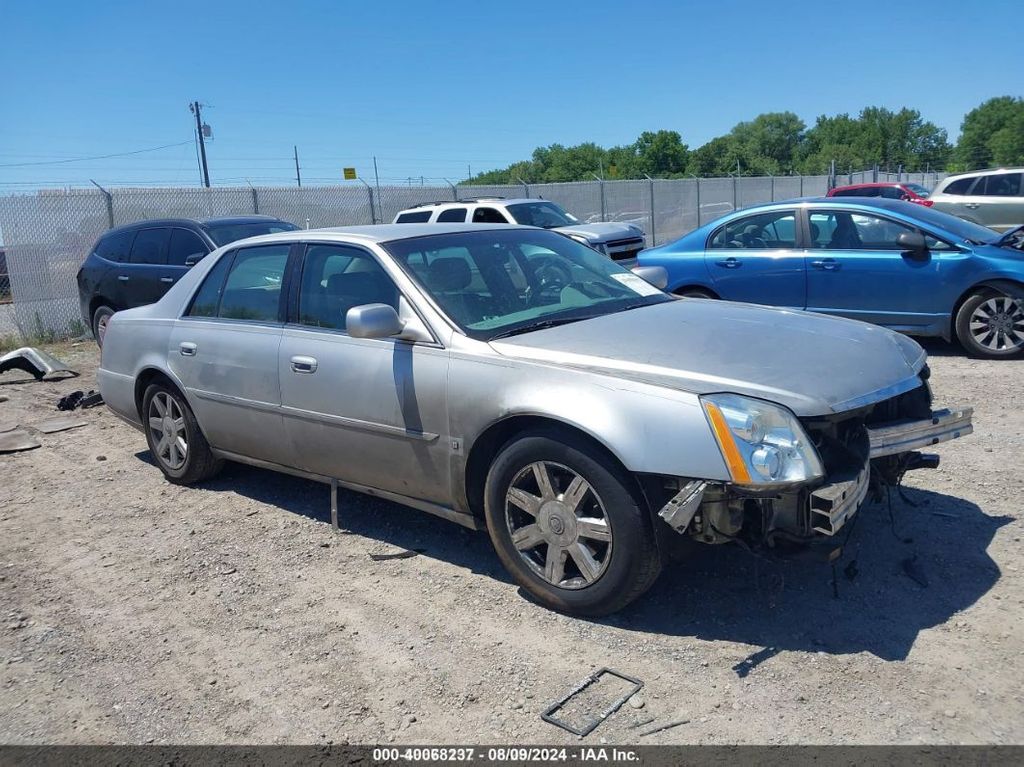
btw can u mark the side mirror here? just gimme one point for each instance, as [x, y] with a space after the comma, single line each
[655, 275]
[913, 243]
[373, 321]
[194, 258]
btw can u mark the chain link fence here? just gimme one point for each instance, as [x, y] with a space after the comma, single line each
[46, 235]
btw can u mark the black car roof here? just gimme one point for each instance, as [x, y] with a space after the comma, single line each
[200, 223]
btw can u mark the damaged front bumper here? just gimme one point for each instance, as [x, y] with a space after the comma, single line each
[720, 512]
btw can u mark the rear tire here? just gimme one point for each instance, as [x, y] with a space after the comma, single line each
[100, 318]
[990, 324]
[175, 440]
[579, 541]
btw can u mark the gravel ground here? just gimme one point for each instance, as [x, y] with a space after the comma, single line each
[134, 611]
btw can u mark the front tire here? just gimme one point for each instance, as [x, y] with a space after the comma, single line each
[694, 293]
[175, 440]
[990, 325]
[565, 523]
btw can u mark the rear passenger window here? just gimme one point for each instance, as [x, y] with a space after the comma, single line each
[150, 246]
[415, 217]
[960, 186]
[185, 244]
[488, 216]
[252, 290]
[457, 215]
[115, 247]
[207, 299]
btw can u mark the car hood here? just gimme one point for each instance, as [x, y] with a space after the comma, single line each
[811, 363]
[602, 232]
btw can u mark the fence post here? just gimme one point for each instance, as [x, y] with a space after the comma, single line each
[735, 192]
[654, 229]
[455, 190]
[526, 187]
[255, 200]
[773, 186]
[801, 184]
[373, 213]
[601, 182]
[697, 179]
[110, 203]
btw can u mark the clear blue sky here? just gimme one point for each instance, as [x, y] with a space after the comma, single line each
[431, 88]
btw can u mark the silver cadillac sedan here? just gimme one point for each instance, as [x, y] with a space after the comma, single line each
[513, 379]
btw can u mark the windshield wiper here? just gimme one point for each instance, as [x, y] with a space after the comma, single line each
[543, 325]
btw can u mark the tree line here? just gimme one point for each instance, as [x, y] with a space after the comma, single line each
[780, 143]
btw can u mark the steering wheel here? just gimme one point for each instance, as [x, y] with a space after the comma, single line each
[550, 277]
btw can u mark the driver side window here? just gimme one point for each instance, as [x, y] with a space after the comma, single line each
[773, 231]
[336, 279]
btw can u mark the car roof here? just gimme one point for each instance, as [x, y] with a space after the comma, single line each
[376, 233]
[872, 184]
[986, 172]
[191, 222]
[472, 201]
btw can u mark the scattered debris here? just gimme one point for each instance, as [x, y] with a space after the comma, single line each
[79, 398]
[406, 554]
[39, 364]
[58, 424]
[914, 571]
[548, 714]
[17, 440]
[3, 397]
[101, 458]
[642, 722]
[668, 726]
[227, 571]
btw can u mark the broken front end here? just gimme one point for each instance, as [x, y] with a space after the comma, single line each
[803, 480]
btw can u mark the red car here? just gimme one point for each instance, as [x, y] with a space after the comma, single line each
[909, 192]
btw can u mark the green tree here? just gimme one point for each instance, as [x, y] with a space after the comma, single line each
[992, 134]
[661, 154]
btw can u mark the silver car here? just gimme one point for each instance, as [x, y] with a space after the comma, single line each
[513, 379]
[993, 198]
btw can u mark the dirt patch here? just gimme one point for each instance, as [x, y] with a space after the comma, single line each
[133, 610]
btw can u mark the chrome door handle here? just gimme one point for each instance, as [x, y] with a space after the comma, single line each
[730, 263]
[166, 279]
[302, 364]
[972, 205]
[123, 277]
[828, 264]
[187, 349]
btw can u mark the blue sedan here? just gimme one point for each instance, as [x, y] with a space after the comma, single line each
[904, 266]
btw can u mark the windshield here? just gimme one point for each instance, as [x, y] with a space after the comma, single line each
[542, 213]
[917, 189]
[222, 234]
[965, 230]
[505, 281]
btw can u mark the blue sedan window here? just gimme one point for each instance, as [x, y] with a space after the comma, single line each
[773, 230]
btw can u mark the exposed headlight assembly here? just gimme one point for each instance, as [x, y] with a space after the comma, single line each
[763, 444]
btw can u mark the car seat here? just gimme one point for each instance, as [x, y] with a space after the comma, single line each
[845, 235]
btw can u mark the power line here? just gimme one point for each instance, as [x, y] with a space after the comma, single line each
[95, 157]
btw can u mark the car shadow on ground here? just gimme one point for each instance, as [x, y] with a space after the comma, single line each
[896, 578]
[937, 347]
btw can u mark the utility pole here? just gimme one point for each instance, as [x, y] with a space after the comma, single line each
[194, 108]
[298, 176]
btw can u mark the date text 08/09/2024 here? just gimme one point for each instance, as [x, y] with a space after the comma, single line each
[504, 754]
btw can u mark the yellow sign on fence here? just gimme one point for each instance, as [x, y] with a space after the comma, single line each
[350, 174]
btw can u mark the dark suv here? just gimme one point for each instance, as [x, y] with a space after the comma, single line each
[136, 264]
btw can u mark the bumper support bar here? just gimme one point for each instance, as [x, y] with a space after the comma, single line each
[904, 436]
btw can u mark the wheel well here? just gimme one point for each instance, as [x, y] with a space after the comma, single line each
[96, 303]
[487, 446]
[1000, 286]
[702, 288]
[148, 377]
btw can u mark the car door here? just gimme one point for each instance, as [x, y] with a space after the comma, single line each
[755, 258]
[956, 198]
[857, 269]
[370, 411]
[224, 350]
[141, 278]
[999, 200]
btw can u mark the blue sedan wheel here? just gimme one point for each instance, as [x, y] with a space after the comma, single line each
[991, 324]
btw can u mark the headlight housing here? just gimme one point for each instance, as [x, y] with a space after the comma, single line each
[763, 444]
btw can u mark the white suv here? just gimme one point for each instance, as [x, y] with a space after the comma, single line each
[993, 198]
[618, 241]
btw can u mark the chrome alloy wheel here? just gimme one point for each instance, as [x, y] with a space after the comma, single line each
[558, 525]
[167, 425]
[998, 324]
[101, 328]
